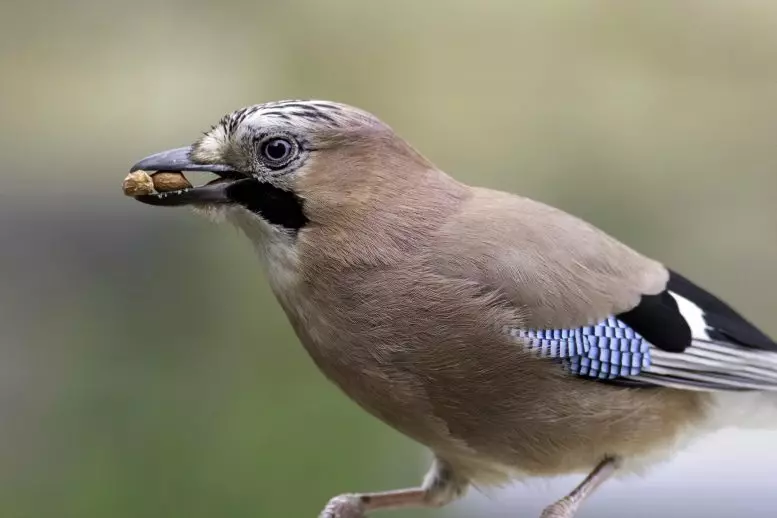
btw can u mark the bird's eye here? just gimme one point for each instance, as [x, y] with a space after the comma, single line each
[277, 150]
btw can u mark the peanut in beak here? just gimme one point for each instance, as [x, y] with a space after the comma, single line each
[140, 183]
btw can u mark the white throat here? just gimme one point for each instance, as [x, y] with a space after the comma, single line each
[276, 247]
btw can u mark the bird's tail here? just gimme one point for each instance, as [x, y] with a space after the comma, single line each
[750, 410]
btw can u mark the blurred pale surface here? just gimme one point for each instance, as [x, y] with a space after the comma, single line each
[146, 370]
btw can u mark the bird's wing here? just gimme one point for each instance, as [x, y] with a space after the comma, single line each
[602, 310]
[726, 352]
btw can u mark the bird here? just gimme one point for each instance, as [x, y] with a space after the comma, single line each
[508, 337]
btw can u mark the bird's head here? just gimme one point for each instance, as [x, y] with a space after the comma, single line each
[293, 168]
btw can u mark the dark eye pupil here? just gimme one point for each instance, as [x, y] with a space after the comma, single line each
[277, 149]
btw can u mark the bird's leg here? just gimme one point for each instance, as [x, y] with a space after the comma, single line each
[568, 506]
[440, 487]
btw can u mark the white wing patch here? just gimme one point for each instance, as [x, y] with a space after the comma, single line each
[694, 315]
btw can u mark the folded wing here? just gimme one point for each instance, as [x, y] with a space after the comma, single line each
[603, 310]
[725, 351]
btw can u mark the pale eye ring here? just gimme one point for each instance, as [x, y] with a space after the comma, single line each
[277, 150]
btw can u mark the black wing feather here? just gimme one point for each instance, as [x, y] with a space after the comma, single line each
[659, 320]
[723, 322]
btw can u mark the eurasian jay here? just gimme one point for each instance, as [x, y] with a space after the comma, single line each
[510, 338]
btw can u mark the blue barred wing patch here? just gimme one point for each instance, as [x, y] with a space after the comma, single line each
[605, 351]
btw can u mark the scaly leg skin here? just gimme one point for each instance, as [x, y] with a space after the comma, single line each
[441, 486]
[568, 506]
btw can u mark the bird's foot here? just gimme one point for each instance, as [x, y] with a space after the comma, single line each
[567, 507]
[344, 506]
[564, 508]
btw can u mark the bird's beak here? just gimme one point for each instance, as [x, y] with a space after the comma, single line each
[179, 160]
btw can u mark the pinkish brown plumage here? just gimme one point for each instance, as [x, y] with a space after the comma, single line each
[407, 288]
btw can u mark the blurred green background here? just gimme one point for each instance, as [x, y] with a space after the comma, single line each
[146, 371]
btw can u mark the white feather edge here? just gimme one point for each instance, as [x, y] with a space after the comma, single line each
[712, 366]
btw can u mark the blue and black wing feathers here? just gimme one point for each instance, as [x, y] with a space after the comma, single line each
[683, 337]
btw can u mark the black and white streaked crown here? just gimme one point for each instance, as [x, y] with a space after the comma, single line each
[317, 113]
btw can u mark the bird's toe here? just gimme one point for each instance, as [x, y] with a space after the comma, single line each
[561, 509]
[344, 506]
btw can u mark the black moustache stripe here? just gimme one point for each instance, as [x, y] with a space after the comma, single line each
[277, 206]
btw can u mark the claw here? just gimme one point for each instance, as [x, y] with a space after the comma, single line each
[561, 509]
[344, 506]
